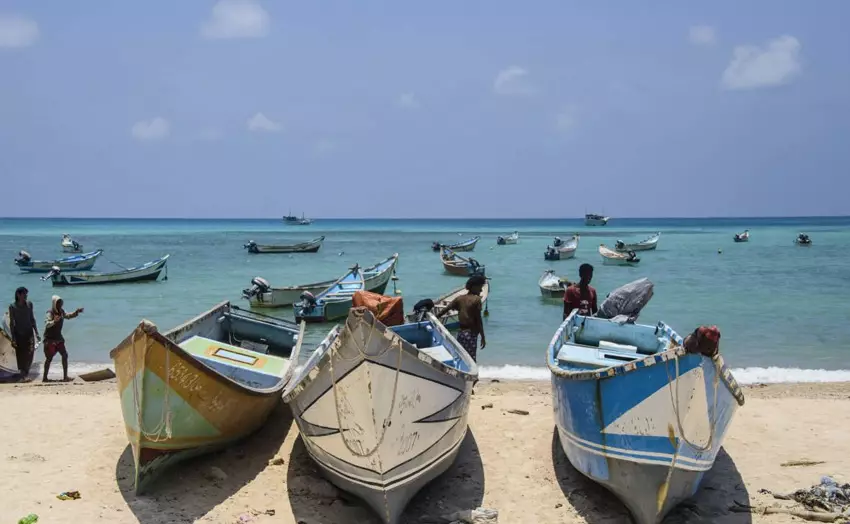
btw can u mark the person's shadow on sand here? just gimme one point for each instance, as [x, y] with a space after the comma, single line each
[721, 488]
[185, 494]
[314, 499]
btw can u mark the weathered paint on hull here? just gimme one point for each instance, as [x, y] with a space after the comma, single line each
[70, 280]
[183, 407]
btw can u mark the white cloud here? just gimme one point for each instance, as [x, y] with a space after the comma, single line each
[261, 122]
[408, 100]
[210, 133]
[153, 129]
[566, 119]
[753, 67]
[17, 31]
[513, 81]
[702, 35]
[237, 19]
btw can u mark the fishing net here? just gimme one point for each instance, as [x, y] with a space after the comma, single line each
[624, 304]
[829, 495]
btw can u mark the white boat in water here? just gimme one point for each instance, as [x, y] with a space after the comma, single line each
[510, 239]
[743, 237]
[551, 285]
[69, 245]
[592, 219]
[383, 411]
[651, 242]
[562, 249]
[615, 258]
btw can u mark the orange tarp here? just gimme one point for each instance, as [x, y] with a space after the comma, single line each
[388, 310]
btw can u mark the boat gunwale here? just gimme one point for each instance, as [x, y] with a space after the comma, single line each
[671, 353]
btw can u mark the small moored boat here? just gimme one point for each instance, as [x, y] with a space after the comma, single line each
[450, 319]
[69, 245]
[193, 390]
[510, 239]
[383, 411]
[292, 220]
[551, 285]
[466, 245]
[803, 240]
[82, 262]
[147, 272]
[743, 237]
[457, 265]
[303, 247]
[562, 249]
[647, 244]
[262, 295]
[592, 219]
[332, 303]
[614, 258]
[638, 413]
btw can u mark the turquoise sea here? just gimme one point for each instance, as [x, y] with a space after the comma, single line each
[782, 309]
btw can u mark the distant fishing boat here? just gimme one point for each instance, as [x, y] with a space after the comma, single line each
[383, 411]
[636, 412]
[450, 319]
[147, 272]
[192, 391]
[803, 240]
[303, 247]
[82, 262]
[332, 303]
[262, 295]
[551, 285]
[592, 219]
[510, 239]
[292, 220]
[70, 245]
[743, 237]
[614, 258]
[466, 245]
[458, 265]
[561, 249]
[647, 244]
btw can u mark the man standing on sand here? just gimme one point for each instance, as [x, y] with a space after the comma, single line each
[581, 296]
[22, 326]
[54, 342]
[468, 309]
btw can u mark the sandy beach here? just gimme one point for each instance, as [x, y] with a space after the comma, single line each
[64, 437]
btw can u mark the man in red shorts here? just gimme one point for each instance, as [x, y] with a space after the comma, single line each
[54, 342]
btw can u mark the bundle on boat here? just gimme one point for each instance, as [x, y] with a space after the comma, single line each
[383, 410]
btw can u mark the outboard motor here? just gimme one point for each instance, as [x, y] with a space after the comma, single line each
[422, 307]
[500, 241]
[259, 286]
[251, 246]
[558, 242]
[55, 270]
[76, 245]
[23, 259]
[620, 244]
[436, 246]
[308, 301]
[475, 266]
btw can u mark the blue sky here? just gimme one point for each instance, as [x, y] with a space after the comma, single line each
[247, 108]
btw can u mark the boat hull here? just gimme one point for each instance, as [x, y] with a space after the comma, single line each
[305, 247]
[451, 320]
[552, 293]
[83, 263]
[382, 447]
[326, 312]
[648, 430]
[596, 221]
[464, 247]
[144, 274]
[175, 407]
[637, 247]
[72, 249]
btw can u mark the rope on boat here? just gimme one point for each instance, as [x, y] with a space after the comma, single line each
[166, 417]
[348, 333]
[675, 404]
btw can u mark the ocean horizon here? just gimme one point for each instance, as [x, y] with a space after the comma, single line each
[781, 308]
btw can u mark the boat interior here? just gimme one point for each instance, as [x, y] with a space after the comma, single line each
[250, 368]
[430, 341]
[594, 343]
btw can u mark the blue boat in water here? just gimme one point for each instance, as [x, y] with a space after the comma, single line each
[332, 303]
[638, 413]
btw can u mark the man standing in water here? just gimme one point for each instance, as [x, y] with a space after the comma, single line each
[581, 296]
[468, 309]
[54, 342]
[23, 330]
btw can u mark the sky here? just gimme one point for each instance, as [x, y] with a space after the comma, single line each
[253, 108]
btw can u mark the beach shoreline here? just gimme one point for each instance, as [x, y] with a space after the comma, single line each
[70, 436]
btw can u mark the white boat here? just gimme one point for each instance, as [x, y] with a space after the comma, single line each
[383, 411]
[147, 272]
[450, 320]
[803, 240]
[262, 295]
[510, 239]
[70, 245]
[614, 258]
[651, 242]
[302, 247]
[592, 219]
[551, 285]
[743, 237]
[561, 249]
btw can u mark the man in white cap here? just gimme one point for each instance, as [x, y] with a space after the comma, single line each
[54, 342]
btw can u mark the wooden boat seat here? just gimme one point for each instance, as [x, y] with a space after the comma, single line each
[242, 365]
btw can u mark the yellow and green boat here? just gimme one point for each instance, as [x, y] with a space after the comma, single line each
[201, 386]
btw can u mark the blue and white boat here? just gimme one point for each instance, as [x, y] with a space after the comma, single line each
[82, 262]
[332, 303]
[637, 413]
[148, 272]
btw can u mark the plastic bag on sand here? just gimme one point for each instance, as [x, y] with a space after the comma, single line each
[625, 303]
